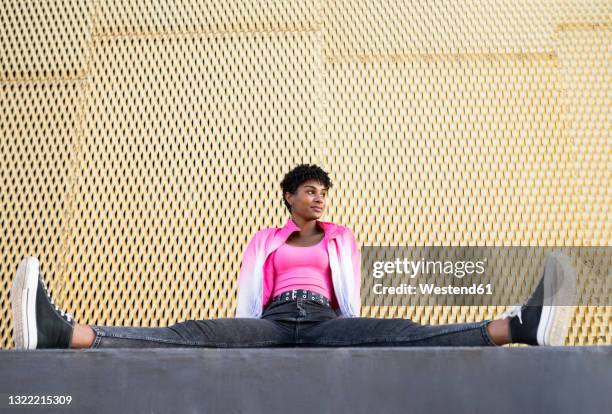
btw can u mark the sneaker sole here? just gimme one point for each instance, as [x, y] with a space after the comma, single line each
[23, 303]
[559, 290]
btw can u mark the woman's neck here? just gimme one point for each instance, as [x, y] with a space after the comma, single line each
[307, 227]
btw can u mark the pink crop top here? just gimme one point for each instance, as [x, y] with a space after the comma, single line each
[298, 267]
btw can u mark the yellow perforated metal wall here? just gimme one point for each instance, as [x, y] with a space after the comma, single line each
[143, 142]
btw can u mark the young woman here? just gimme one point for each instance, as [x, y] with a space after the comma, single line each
[298, 286]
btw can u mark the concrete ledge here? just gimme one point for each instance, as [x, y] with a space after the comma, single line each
[309, 380]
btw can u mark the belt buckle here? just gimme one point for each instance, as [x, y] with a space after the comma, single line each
[293, 294]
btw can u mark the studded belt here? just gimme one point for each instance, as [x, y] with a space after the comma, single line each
[295, 294]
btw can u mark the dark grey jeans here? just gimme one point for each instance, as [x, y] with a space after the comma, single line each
[295, 323]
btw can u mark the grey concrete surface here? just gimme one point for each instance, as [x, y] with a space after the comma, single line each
[312, 380]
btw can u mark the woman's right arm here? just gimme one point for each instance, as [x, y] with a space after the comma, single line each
[247, 267]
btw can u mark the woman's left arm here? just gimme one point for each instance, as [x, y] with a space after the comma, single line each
[356, 260]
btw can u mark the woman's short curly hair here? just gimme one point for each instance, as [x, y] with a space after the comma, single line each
[300, 174]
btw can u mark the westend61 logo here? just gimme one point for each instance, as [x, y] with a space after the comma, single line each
[414, 268]
[492, 276]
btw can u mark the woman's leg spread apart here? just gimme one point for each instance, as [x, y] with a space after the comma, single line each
[393, 332]
[213, 333]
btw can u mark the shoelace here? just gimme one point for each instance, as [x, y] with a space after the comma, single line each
[515, 310]
[67, 315]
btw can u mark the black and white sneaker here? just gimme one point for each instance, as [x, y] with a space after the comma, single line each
[545, 318]
[37, 321]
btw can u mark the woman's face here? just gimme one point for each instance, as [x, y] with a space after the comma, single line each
[308, 201]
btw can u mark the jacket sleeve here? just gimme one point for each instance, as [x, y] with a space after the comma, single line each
[356, 260]
[243, 307]
[269, 278]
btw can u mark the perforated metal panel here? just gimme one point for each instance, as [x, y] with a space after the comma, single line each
[142, 143]
[447, 124]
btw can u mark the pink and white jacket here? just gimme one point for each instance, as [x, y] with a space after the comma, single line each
[256, 283]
